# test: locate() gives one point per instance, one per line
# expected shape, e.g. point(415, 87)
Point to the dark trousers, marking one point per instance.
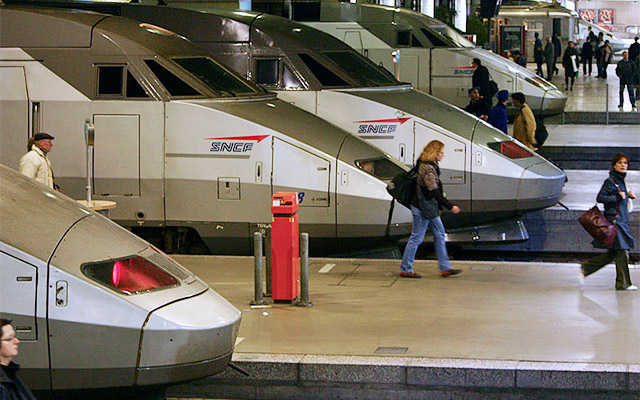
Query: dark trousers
point(539, 68)
point(586, 61)
point(621, 257)
point(550, 67)
point(603, 74)
point(568, 77)
point(631, 96)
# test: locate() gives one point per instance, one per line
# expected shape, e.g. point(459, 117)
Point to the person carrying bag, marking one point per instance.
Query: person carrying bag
point(615, 197)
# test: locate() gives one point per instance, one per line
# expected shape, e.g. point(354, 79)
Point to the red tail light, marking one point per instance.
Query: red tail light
point(130, 275)
point(510, 149)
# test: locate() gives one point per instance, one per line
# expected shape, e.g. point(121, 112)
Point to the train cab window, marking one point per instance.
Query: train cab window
point(267, 72)
point(382, 168)
point(360, 68)
point(289, 79)
point(217, 77)
point(434, 38)
point(415, 42)
point(131, 275)
point(134, 89)
point(174, 85)
point(110, 80)
point(322, 73)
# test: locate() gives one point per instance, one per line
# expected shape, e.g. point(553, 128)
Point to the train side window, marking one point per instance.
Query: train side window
point(267, 72)
point(415, 42)
point(324, 75)
point(174, 85)
point(381, 168)
point(110, 79)
point(404, 38)
point(433, 38)
point(289, 79)
point(134, 89)
point(131, 275)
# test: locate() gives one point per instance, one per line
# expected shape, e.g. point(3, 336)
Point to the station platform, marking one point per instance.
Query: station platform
point(498, 330)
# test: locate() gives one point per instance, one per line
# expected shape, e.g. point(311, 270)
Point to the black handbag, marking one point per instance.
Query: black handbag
point(598, 227)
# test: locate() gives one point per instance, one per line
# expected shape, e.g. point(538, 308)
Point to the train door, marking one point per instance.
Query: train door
point(450, 79)
point(116, 161)
point(454, 165)
point(14, 114)
point(296, 169)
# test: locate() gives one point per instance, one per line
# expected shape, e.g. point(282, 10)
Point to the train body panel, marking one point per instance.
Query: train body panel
point(189, 152)
point(87, 289)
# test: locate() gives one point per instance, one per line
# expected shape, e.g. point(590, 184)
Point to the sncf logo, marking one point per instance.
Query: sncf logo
point(380, 125)
point(236, 144)
point(464, 70)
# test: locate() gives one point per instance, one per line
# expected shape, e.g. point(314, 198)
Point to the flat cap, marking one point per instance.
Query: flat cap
point(42, 136)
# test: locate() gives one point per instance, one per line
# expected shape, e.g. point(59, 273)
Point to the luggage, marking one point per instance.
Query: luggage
point(541, 134)
point(598, 227)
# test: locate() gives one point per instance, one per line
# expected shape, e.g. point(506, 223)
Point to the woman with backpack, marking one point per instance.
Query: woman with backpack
point(426, 208)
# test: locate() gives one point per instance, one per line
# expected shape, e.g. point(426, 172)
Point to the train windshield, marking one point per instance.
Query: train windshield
point(452, 35)
point(216, 76)
point(381, 167)
point(361, 69)
point(131, 275)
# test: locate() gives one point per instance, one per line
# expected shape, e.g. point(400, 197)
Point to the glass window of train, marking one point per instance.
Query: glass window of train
point(174, 85)
point(361, 69)
point(289, 79)
point(268, 71)
point(130, 275)
point(434, 38)
point(322, 73)
point(134, 89)
point(216, 76)
point(110, 78)
point(404, 38)
point(381, 168)
point(415, 42)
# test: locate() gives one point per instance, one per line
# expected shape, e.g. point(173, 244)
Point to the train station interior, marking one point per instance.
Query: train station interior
point(197, 200)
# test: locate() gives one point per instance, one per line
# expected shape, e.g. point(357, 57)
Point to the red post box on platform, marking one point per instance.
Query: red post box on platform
point(285, 246)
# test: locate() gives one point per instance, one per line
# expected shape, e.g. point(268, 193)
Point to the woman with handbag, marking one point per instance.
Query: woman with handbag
point(426, 206)
point(615, 197)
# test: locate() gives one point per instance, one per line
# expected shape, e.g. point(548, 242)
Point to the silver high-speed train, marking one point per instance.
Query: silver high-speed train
point(493, 178)
point(429, 54)
point(182, 144)
point(96, 307)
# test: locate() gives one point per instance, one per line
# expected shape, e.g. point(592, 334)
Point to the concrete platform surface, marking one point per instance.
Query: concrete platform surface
point(497, 325)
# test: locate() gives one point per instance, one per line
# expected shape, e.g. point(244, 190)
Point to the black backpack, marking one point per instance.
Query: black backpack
point(403, 186)
point(541, 134)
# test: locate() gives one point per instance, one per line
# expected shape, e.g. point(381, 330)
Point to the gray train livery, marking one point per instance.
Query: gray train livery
point(93, 304)
point(492, 177)
point(187, 148)
point(429, 54)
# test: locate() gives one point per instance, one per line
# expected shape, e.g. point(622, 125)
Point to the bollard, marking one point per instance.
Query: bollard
point(607, 105)
point(304, 272)
point(258, 300)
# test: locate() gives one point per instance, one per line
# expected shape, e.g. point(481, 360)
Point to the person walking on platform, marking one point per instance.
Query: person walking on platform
point(570, 63)
point(549, 58)
point(634, 55)
point(480, 79)
point(627, 71)
point(614, 195)
point(11, 386)
point(607, 54)
point(477, 106)
point(524, 126)
point(557, 52)
point(538, 54)
point(498, 114)
point(426, 209)
point(598, 53)
point(35, 163)
point(587, 57)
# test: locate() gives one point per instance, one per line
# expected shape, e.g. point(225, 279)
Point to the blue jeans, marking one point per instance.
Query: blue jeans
point(420, 225)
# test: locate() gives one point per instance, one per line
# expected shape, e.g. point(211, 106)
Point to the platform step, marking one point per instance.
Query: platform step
point(600, 118)
point(587, 158)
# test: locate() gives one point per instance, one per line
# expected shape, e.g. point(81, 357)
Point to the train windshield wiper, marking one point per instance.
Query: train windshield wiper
point(217, 77)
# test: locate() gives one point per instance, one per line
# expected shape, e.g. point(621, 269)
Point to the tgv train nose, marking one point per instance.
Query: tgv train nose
point(540, 187)
point(188, 339)
point(554, 102)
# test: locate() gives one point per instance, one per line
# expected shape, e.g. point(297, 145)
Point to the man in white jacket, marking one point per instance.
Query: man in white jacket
point(35, 163)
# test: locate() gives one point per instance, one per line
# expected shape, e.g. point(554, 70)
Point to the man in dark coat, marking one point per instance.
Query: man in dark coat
point(627, 72)
point(587, 56)
point(477, 106)
point(598, 53)
point(570, 64)
point(549, 58)
point(557, 48)
point(498, 114)
point(480, 79)
point(634, 55)
point(538, 54)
